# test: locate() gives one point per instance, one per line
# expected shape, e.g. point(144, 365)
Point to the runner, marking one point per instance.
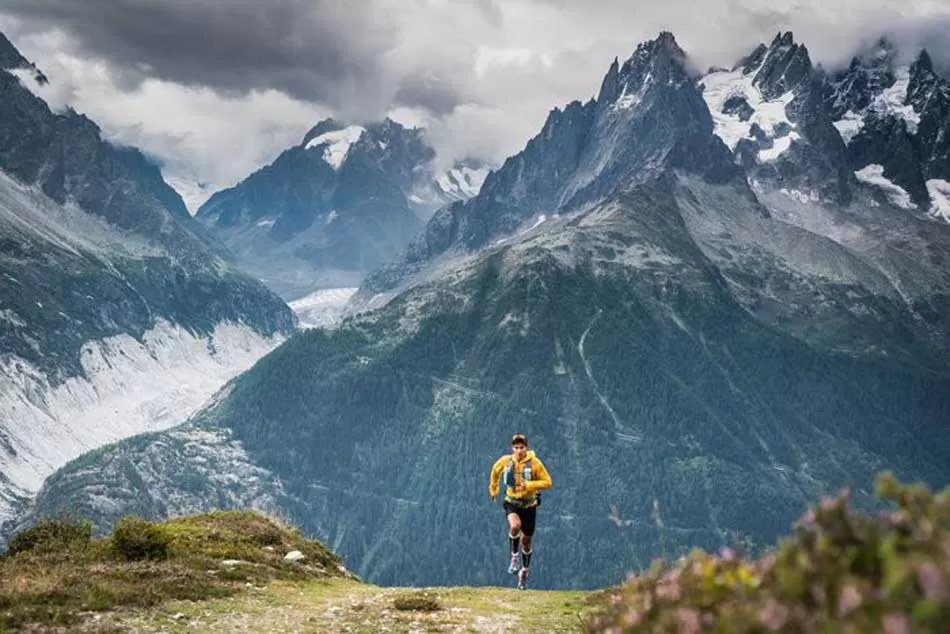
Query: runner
point(524, 476)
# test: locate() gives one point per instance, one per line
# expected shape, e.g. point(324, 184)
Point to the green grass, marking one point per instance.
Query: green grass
point(840, 571)
point(340, 605)
point(58, 571)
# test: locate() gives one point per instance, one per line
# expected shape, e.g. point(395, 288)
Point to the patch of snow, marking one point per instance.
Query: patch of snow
point(779, 147)
point(333, 215)
point(537, 223)
point(873, 174)
point(939, 191)
point(193, 191)
point(849, 126)
point(800, 196)
point(337, 144)
point(891, 100)
point(719, 86)
point(462, 182)
point(628, 100)
point(322, 308)
point(267, 223)
point(415, 199)
point(11, 317)
point(128, 387)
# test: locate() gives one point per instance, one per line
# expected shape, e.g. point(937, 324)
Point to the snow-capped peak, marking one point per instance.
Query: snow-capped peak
point(873, 83)
point(893, 100)
point(337, 144)
point(737, 104)
point(656, 62)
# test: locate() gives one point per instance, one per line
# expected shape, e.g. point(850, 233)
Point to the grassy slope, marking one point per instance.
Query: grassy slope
point(56, 575)
point(226, 571)
point(840, 571)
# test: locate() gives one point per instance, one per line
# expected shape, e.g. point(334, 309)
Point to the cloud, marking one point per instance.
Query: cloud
point(356, 57)
point(216, 87)
point(300, 47)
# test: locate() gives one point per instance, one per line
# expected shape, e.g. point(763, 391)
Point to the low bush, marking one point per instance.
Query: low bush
point(51, 536)
point(135, 539)
point(418, 602)
point(841, 571)
point(56, 572)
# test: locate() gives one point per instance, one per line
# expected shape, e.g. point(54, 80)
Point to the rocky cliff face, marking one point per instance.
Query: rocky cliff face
point(698, 308)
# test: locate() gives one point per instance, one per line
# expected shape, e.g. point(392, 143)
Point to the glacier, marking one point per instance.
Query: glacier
point(128, 387)
point(322, 308)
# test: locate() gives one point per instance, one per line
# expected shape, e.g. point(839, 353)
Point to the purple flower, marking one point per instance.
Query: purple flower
point(931, 581)
point(895, 624)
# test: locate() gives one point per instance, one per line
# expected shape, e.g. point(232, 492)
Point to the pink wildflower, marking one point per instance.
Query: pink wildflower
point(669, 590)
point(632, 618)
point(896, 624)
point(849, 600)
point(688, 621)
point(931, 581)
point(773, 615)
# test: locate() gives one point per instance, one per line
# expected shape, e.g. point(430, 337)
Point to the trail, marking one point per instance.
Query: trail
point(351, 607)
point(623, 431)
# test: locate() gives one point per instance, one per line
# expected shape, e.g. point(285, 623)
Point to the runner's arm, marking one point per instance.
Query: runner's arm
point(540, 479)
point(496, 470)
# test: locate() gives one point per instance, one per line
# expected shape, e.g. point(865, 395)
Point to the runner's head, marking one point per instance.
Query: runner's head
point(519, 445)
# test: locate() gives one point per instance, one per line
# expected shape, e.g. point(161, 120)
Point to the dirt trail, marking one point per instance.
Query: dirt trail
point(354, 608)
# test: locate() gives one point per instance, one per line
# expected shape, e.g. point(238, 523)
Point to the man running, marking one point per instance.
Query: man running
point(524, 475)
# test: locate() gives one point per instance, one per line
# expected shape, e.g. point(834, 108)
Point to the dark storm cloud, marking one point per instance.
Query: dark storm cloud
point(316, 50)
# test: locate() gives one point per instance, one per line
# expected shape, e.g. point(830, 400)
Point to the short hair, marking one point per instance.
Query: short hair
point(519, 439)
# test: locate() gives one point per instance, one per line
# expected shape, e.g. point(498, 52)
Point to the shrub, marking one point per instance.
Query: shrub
point(51, 536)
point(134, 538)
point(417, 601)
point(839, 572)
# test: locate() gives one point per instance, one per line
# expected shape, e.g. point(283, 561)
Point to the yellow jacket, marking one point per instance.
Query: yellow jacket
point(537, 479)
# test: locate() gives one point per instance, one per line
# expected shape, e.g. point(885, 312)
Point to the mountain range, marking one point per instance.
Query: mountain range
point(118, 312)
point(336, 206)
point(707, 298)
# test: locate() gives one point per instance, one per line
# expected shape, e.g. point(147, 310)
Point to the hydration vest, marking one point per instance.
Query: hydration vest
point(510, 476)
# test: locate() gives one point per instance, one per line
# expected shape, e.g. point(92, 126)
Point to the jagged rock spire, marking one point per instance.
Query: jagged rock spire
point(786, 65)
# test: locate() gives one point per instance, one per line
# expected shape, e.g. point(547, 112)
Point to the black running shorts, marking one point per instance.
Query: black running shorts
point(527, 515)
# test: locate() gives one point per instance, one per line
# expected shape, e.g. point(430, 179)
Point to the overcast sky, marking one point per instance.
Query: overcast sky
point(216, 88)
